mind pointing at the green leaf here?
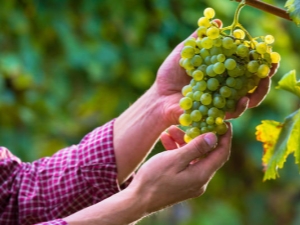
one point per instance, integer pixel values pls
(293, 8)
(290, 83)
(279, 140)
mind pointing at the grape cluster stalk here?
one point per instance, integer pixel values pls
(224, 64)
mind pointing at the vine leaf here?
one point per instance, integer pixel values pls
(279, 140)
(289, 83)
(293, 8)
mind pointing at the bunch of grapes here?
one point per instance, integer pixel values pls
(223, 68)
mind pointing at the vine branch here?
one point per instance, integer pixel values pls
(267, 8)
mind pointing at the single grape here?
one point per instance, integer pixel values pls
(227, 42)
(212, 84)
(206, 99)
(196, 60)
(238, 33)
(219, 121)
(203, 109)
(215, 50)
(187, 52)
(252, 66)
(209, 13)
(219, 102)
(201, 32)
(275, 57)
(204, 53)
(197, 95)
(263, 71)
(187, 138)
(230, 81)
(210, 71)
(221, 57)
(219, 68)
(213, 33)
(210, 120)
(207, 43)
(191, 41)
(213, 112)
(269, 39)
(193, 132)
(196, 115)
(185, 119)
(186, 89)
(198, 75)
(242, 50)
(230, 64)
(186, 103)
(261, 47)
(221, 129)
(225, 91)
(217, 42)
(187, 64)
(204, 21)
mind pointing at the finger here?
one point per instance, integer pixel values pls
(260, 92)
(177, 135)
(274, 69)
(241, 107)
(216, 158)
(167, 141)
(198, 147)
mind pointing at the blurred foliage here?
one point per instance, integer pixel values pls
(67, 67)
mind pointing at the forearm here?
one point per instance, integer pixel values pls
(136, 131)
(125, 207)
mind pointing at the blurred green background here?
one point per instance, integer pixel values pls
(67, 67)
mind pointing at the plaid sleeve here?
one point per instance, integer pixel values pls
(55, 187)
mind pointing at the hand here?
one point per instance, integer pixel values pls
(173, 176)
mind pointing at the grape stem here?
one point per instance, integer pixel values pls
(267, 8)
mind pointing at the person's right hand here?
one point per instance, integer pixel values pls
(170, 177)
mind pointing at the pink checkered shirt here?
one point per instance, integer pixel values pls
(54, 187)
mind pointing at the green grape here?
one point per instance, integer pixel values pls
(204, 130)
(210, 120)
(193, 82)
(196, 115)
(187, 64)
(263, 71)
(213, 33)
(196, 124)
(269, 39)
(196, 60)
(221, 129)
(191, 41)
(230, 64)
(261, 47)
(198, 75)
(190, 95)
(219, 68)
(225, 91)
(219, 102)
(211, 127)
(201, 32)
(233, 94)
(238, 33)
(187, 52)
(203, 21)
(250, 84)
(213, 59)
(252, 66)
(204, 53)
(254, 55)
(207, 43)
(213, 112)
(210, 71)
(275, 57)
(206, 99)
(185, 119)
(186, 89)
(212, 84)
(187, 138)
(202, 68)
(207, 60)
(230, 81)
(219, 121)
(203, 109)
(221, 57)
(227, 43)
(217, 42)
(186, 103)
(209, 13)
(193, 132)
(197, 95)
(196, 105)
(242, 50)
(201, 85)
(239, 84)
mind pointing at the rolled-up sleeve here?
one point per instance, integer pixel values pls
(54, 187)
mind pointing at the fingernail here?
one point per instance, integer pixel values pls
(211, 139)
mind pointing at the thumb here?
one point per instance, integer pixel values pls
(196, 148)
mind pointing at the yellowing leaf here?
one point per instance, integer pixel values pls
(279, 140)
(293, 8)
(289, 83)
